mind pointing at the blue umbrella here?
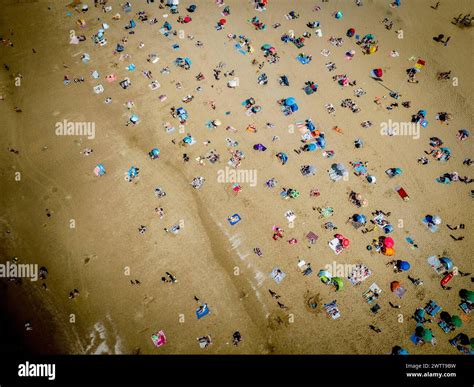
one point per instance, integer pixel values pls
(187, 61)
(290, 101)
(310, 147)
(404, 265)
(294, 107)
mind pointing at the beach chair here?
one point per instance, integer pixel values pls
(444, 326)
(466, 307)
(432, 308)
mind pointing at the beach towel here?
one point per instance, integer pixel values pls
(336, 246)
(277, 275)
(332, 310)
(400, 292)
(159, 338)
(202, 311)
(372, 293)
(359, 274)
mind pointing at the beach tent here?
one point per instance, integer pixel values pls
(338, 283)
(325, 276)
(446, 262)
(154, 153)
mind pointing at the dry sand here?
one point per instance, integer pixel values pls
(112, 316)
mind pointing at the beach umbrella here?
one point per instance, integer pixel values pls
(350, 32)
(187, 61)
(404, 265)
(266, 46)
(446, 262)
(272, 50)
(338, 283)
(310, 147)
(371, 179)
(394, 286)
(377, 73)
(290, 101)
(436, 219)
(387, 229)
(456, 321)
(338, 15)
(345, 242)
(467, 295)
(283, 157)
(427, 335)
(294, 107)
(388, 251)
(222, 22)
(359, 218)
(388, 242)
(373, 49)
(260, 147)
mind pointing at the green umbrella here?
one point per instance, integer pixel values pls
(266, 46)
(337, 281)
(427, 335)
(456, 321)
(470, 295)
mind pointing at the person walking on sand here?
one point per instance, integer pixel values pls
(273, 294)
(375, 329)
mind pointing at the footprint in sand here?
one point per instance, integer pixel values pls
(277, 320)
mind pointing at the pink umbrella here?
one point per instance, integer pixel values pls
(388, 242)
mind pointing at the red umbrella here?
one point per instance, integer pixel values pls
(222, 22)
(345, 242)
(388, 242)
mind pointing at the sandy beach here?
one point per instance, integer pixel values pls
(56, 213)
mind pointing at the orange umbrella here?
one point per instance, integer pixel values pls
(388, 251)
(394, 285)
